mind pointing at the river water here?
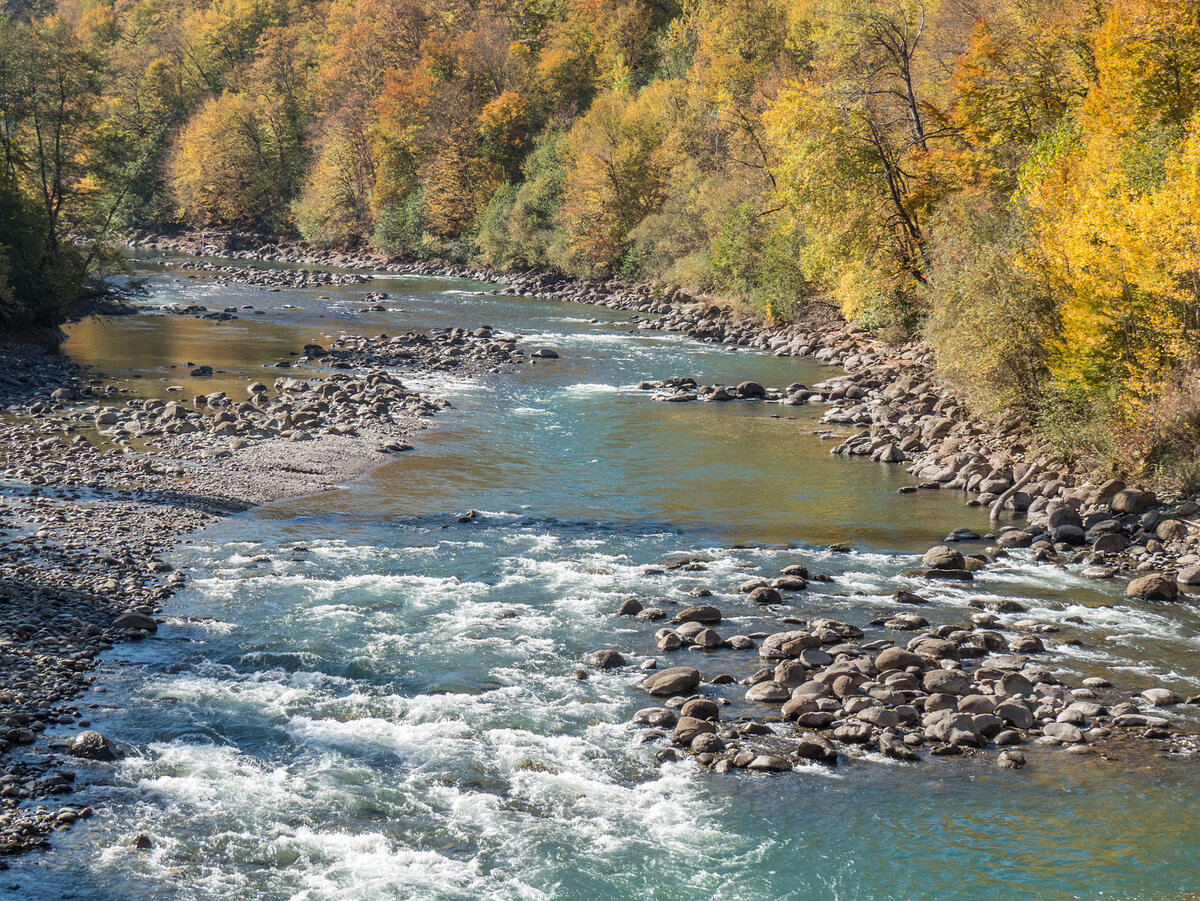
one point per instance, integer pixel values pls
(360, 697)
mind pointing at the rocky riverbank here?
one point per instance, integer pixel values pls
(99, 486)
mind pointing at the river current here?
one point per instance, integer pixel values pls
(358, 696)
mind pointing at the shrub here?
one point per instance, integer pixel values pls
(991, 319)
(753, 258)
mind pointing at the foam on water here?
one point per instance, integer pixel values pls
(384, 703)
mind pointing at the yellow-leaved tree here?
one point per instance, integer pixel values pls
(1116, 217)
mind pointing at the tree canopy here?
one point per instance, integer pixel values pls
(1016, 180)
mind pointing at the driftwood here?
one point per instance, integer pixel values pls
(998, 505)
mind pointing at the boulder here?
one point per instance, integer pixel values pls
(1131, 500)
(810, 747)
(896, 659)
(703, 613)
(91, 745)
(1106, 492)
(769, 693)
(1189, 577)
(677, 680)
(1011, 760)
(766, 595)
(943, 557)
(1161, 697)
(630, 607)
(944, 681)
(937, 648)
(1015, 714)
(890, 745)
(782, 645)
(656, 716)
(135, 621)
(1112, 543)
(769, 763)
(606, 659)
(701, 709)
(1153, 587)
(689, 727)
(707, 743)
(955, 729)
(1063, 732)
(1171, 530)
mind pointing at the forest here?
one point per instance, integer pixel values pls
(1016, 182)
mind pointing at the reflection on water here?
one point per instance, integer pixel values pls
(384, 704)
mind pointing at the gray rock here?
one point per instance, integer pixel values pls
(703, 613)
(701, 709)
(769, 763)
(951, 682)
(707, 743)
(766, 595)
(606, 659)
(892, 746)
(1012, 760)
(689, 727)
(1015, 714)
(810, 747)
(1111, 543)
(1131, 500)
(1161, 697)
(135, 621)
(91, 745)
(769, 693)
(1063, 732)
(1189, 577)
(656, 716)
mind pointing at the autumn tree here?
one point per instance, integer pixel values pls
(615, 177)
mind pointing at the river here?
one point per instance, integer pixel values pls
(358, 696)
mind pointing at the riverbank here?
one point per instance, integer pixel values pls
(99, 486)
(211, 455)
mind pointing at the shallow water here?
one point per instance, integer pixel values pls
(381, 701)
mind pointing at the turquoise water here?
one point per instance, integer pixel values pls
(380, 701)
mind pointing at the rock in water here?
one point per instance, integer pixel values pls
(942, 557)
(677, 680)
(1012, 760)
(606, 659)
(91, 745)
(135, 621)
(1153, 587)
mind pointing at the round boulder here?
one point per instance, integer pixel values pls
(689, 727)
(678, 680)
(606, 659)
(1153, 587)
(766, 595)
(896, 659)
(943, 557)
(91, 745)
